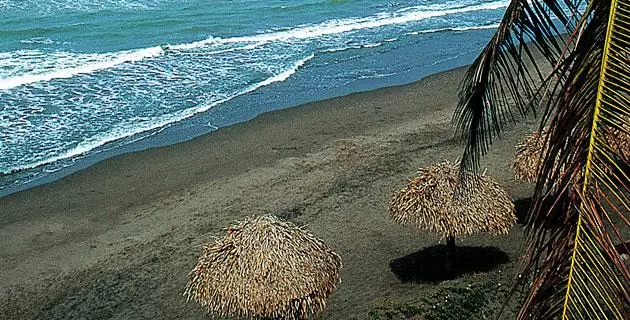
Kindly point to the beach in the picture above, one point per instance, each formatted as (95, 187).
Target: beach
(117, 240)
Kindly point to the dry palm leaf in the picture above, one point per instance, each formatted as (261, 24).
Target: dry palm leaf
(428, 202)
(265, 268)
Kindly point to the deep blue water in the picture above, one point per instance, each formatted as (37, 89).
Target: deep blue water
(83, 80)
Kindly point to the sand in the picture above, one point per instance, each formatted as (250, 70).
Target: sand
(117, 240)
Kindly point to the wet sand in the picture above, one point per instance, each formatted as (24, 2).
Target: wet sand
(117, 240)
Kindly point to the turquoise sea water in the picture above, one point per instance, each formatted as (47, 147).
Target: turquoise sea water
(83, 80)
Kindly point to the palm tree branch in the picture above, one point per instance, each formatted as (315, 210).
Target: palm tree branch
(587, 180)
(507, 74)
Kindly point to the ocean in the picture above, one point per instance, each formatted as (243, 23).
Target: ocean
(82, 80)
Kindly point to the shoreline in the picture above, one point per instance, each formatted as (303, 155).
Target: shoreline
(266, 118)
(145, 144)
(204, 123)
(117, 239)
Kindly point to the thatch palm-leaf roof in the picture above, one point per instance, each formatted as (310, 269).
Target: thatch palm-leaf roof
(620, 142)
(571, 268)
(427, 202)
(529, 156)
(265, 268)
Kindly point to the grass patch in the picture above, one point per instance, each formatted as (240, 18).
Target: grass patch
(450, 301)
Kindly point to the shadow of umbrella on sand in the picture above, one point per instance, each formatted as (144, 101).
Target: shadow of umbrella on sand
(428, 202)
(264, 268)
(427, 265)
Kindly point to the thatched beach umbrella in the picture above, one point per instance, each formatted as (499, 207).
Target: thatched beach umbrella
(529, 157)
(529, 154)
(428, 202)
(264, 268)
(620, 142)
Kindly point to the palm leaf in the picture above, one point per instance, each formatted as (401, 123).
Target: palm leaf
(507, 71)
(577, 270)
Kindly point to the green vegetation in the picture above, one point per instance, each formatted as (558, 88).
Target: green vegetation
(449, 301)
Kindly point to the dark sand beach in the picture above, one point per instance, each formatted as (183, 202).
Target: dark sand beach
(117, 240)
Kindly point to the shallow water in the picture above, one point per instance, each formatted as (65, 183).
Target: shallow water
(82, 80)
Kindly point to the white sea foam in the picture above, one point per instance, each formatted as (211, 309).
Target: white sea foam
(487, 26)
(140, 126)
(101, 62)
(195, 44)
(372, 45)
(339, 49)
(377, 75)
(96, 62)
(406, 15)
(51, 7)
(38, 40)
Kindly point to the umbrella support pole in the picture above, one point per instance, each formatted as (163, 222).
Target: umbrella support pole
(450, 256)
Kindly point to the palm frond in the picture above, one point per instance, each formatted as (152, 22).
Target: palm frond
(577, 270)
(507, 72)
